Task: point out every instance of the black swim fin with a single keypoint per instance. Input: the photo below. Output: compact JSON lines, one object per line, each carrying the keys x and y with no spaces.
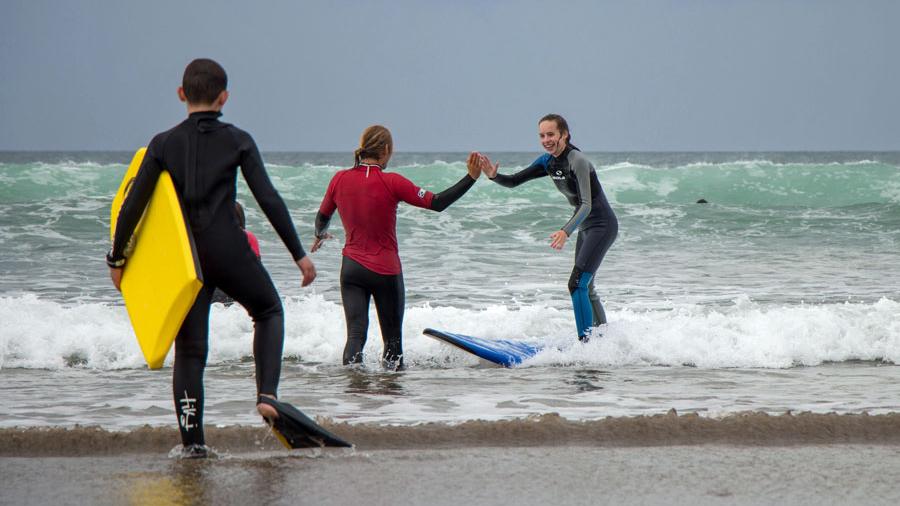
{"x":296,"y":430}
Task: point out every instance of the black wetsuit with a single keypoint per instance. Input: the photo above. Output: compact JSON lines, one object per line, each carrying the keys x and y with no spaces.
{"x":202,"y":155}
{"x":595,"y":220}
{"x":358,"y":286}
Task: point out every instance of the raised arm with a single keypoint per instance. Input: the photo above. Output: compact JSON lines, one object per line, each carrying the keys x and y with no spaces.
{"x":538,"y":168}
{"x":406,"y":191}
{"x":443,"y":199}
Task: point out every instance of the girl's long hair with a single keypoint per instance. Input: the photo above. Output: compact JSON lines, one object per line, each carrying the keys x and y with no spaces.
{"x":372,"y":143}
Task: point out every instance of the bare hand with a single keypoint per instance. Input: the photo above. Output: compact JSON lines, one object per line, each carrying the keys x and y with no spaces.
{"x":115,"y":274}
{"x":307,"y":269}
{"x":473,"y":164}
{"x":490,"y":170}
{"x":320,"y":241}
{"x":558,"y":239}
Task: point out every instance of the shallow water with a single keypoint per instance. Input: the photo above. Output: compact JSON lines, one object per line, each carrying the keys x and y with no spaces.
{"x":780,"y":294}
{"x":125,"y":399}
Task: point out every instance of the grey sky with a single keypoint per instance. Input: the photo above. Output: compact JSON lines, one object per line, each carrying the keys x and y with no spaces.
{"x":460,"y":74}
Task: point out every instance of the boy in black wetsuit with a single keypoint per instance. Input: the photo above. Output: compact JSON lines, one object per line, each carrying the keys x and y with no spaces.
{"x":202,"y":154}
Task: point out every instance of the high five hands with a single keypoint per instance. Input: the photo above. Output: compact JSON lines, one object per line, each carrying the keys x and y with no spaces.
{"x":475,"y":164}
{"x":484,"y":164}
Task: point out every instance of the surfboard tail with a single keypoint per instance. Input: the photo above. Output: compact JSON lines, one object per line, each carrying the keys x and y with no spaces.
{"x":499,"y":351}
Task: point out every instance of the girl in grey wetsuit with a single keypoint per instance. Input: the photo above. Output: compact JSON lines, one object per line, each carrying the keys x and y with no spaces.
{"x":595,"y":220}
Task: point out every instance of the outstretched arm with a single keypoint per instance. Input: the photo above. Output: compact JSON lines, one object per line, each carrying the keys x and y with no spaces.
{"x":535,"y":170}
{"x":443,"y":199}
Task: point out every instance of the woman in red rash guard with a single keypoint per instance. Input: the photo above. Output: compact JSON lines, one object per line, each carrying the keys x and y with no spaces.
{"x":366,"y":197}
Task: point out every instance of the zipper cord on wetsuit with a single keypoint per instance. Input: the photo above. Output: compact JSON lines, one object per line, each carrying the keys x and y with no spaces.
{"x":369,"y":166}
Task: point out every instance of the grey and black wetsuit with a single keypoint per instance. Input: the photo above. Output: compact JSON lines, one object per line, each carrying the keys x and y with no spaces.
{"x":576,"y":178}
{"x":202,"y":155}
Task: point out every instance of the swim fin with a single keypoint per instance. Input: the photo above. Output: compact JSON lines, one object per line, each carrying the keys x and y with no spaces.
{"x":296,"y":430}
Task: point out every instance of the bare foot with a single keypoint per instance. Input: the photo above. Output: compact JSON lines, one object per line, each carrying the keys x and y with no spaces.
{"x":265,"y":410}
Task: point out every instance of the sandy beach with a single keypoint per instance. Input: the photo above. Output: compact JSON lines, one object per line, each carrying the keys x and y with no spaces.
{"x":696,"y":475}
{"x":750,"y":458}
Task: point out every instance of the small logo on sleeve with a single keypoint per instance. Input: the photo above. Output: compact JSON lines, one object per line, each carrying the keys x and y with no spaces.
{"x":421,"y":193}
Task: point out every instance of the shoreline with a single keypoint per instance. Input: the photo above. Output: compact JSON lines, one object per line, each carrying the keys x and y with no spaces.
{"x":549,"y":430}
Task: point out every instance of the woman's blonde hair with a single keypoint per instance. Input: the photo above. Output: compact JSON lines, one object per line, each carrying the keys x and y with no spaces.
{"x":372,"y":143}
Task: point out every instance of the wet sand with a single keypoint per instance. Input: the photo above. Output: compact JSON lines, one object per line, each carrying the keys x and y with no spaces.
{"x":545,"y":430}
{"x":565,"y":475}
{"x":751,"y":458}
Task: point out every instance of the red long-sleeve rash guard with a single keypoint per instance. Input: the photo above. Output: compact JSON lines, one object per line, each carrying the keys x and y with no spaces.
{"x":367,"y":199}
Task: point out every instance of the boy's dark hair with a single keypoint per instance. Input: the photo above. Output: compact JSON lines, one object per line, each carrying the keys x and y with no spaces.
{"x":203,"y":81}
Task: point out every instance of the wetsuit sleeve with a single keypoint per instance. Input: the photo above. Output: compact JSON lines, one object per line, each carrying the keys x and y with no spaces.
{"x":582,"y":170}
{"x":406,"y":191}
{"x":268,"y":198}
{"x":537,"y":169}
{"x":443,"y":200}
{"x":134,"y":205}
{"x":326,"y":209}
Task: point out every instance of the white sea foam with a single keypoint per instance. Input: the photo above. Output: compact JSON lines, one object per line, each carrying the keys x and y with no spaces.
{"x":40,"y":333}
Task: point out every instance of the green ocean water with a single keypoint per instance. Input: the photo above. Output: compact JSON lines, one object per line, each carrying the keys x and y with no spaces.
{"x":779,"y":227}
{"x":780,"y":293}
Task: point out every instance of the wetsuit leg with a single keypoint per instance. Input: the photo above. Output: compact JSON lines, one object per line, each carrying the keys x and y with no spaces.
{"x":597,"y":312}
{"x":191,"y":349}
{"x":599,"y":315}
{"x":578,"y":289}
{"x":390,"y":302}
{"x":355,"y":295}
{"x":358,"y":285}
{"x":235,"y":268}
{"x":590,"y":248}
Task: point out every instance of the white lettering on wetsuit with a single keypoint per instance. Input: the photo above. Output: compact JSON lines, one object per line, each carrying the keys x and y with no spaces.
{"x":188,"y":409}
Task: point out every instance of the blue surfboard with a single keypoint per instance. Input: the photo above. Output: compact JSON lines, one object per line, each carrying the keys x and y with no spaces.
{"x":499,"y":351}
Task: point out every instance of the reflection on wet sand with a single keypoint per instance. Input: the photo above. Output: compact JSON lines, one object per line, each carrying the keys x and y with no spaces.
{"x":587,"y":380}
{"x":374,"y":383}
{"x":753,"y":428}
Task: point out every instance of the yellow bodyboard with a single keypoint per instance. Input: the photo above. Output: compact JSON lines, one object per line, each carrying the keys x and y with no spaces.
{"x":162,"y":275}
